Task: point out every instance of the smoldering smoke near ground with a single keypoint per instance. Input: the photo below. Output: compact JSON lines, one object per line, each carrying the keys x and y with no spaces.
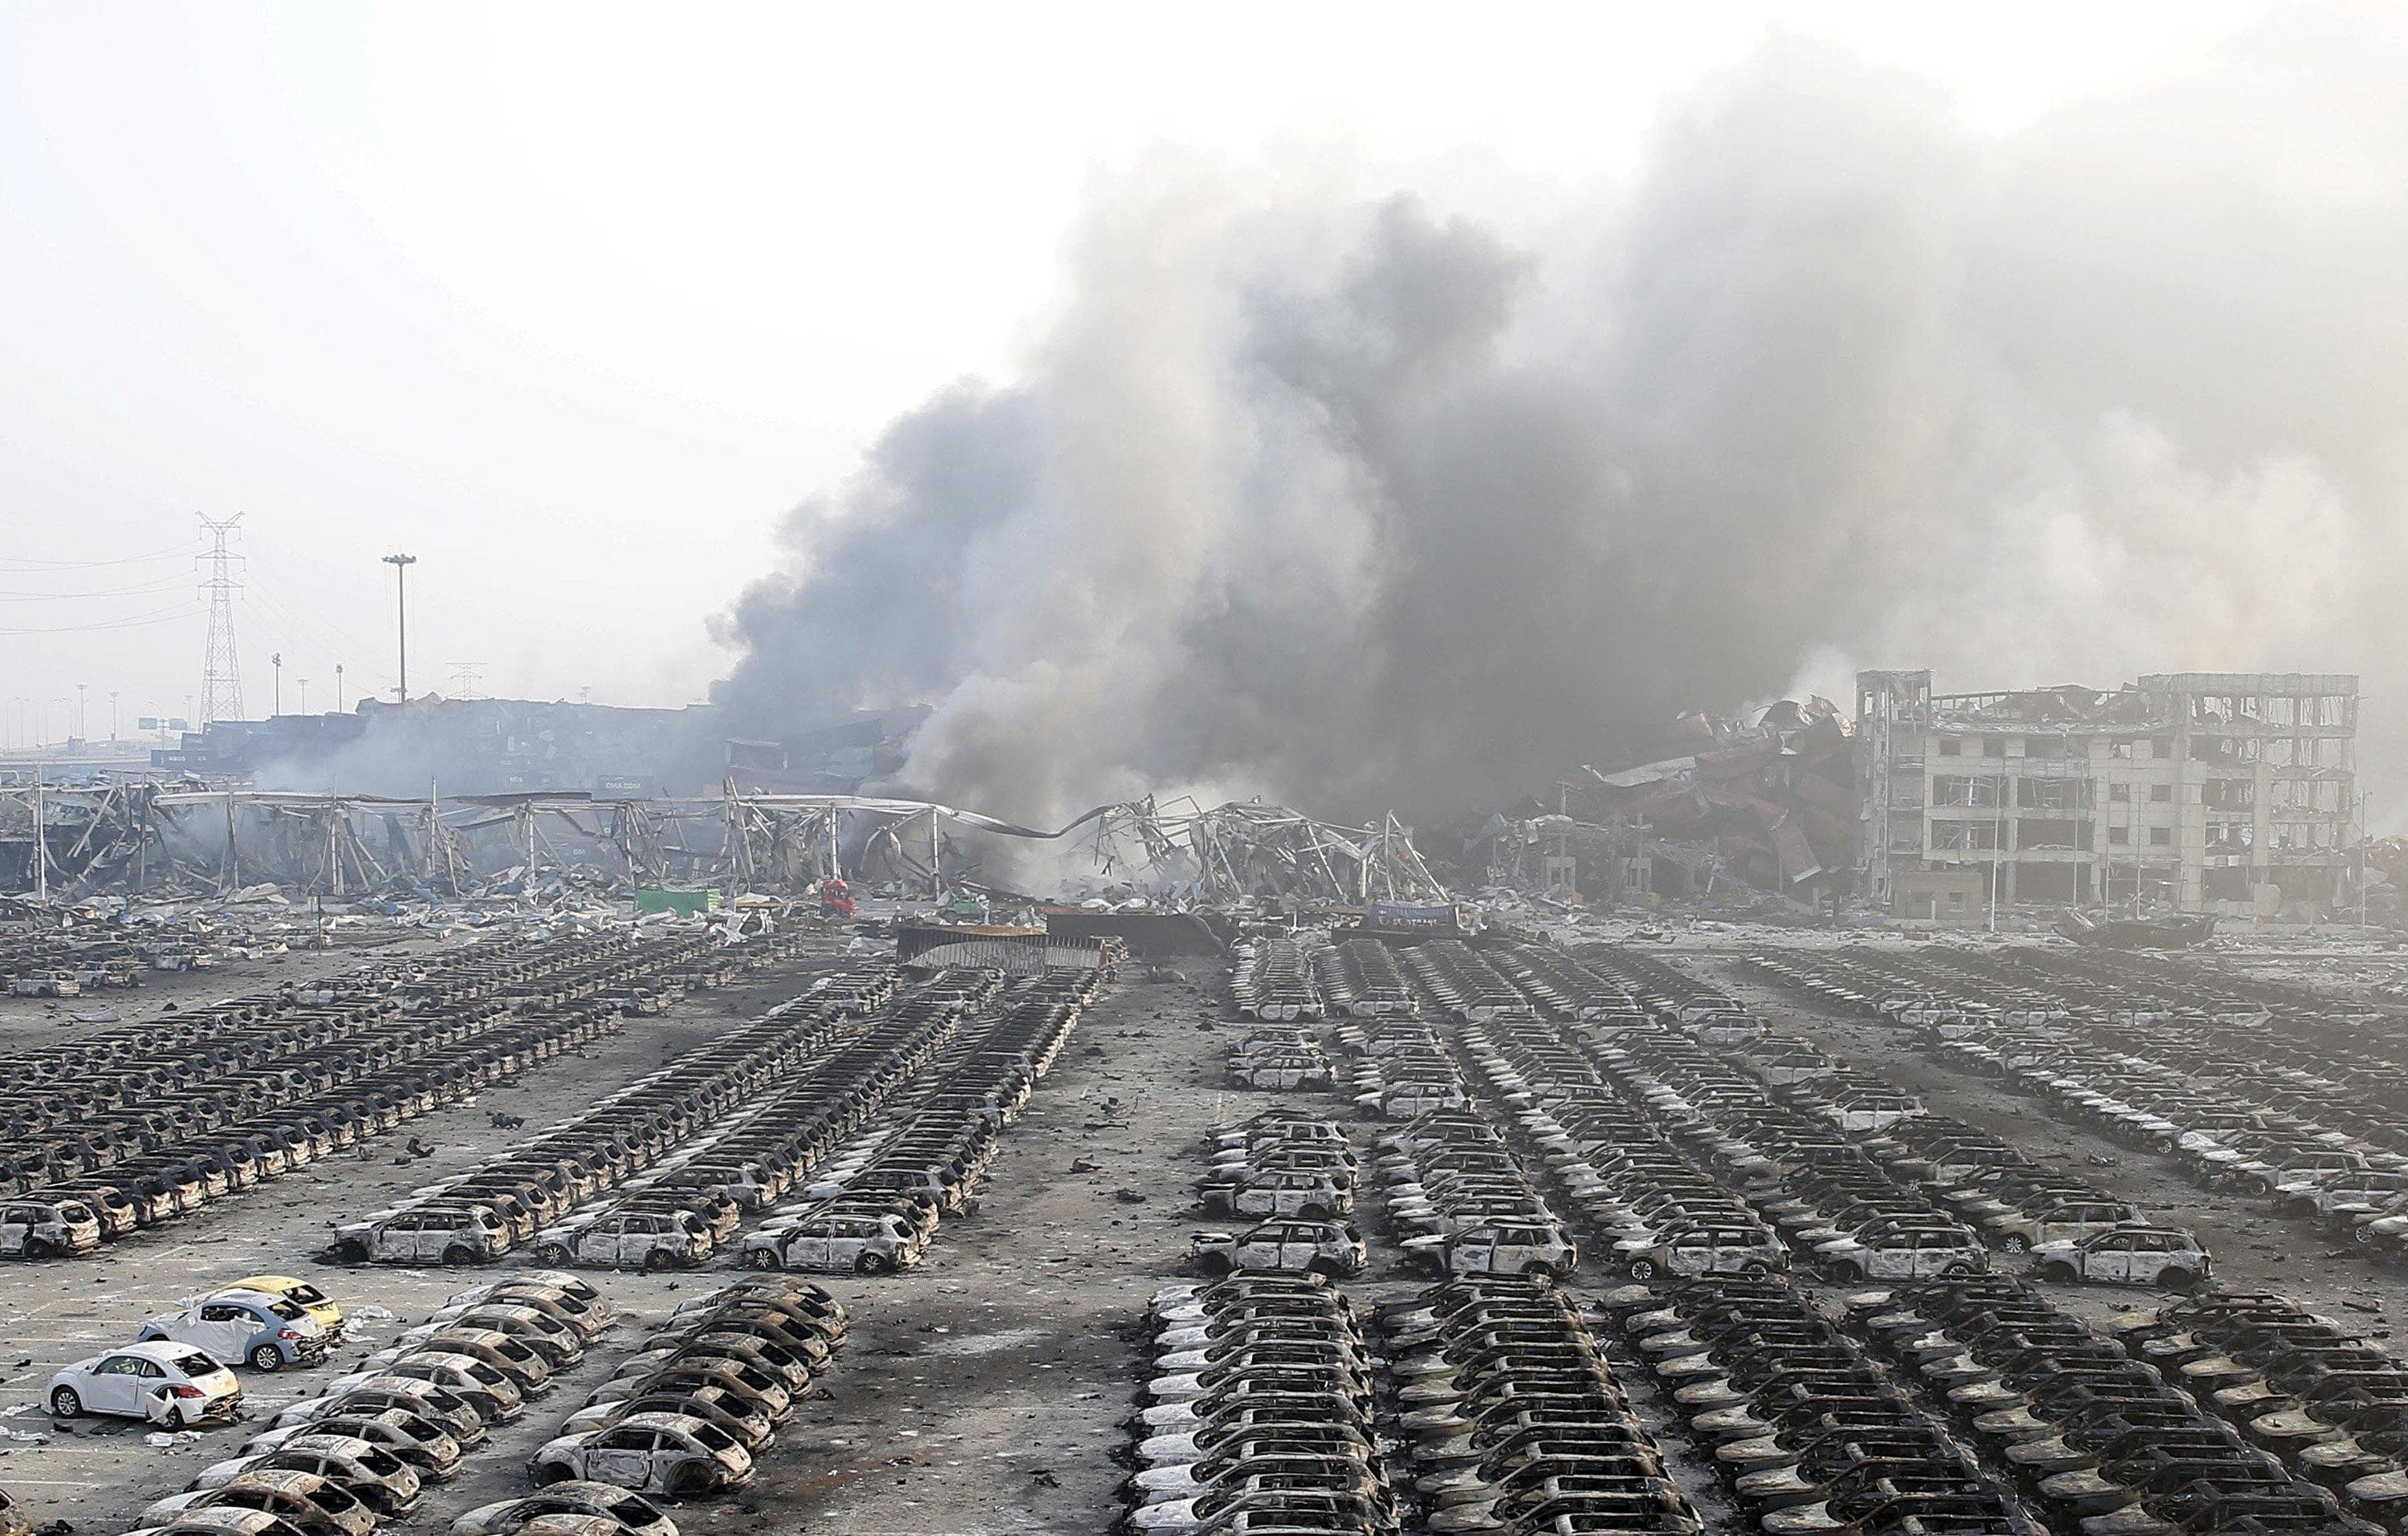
{"x":1338,"y":493}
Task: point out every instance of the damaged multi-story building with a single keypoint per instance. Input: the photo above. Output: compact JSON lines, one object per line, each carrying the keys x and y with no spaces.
{"x":2230,"y":792}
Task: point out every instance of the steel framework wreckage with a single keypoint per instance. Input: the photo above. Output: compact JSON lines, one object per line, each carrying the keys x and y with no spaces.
{"x":136,"y":838}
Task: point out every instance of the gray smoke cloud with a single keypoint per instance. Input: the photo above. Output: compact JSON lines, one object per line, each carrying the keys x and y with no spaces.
{"x":1353,"y":498}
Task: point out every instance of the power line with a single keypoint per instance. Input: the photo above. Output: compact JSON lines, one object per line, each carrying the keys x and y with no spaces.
{"x":164,"y":616}
{"x":30,"y":562}
{"x":297,"y":630}
{"x":291,"y":601}
{"x":161,"y":585}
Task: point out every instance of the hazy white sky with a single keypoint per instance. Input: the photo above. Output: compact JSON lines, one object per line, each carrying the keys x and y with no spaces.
{"x":573,"y":301}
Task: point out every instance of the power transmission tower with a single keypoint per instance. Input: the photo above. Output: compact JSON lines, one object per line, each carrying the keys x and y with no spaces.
{"x":463,"y":675}
{"x":220,"y":676}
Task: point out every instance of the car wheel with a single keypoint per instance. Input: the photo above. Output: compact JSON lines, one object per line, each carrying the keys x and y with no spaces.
{"x":2177,"y":1279}
{"x":655,"y":1258}
{"x":548,"y":1472}
{"x":2014,"y":1243}
{"x":1314,"y":1213}
{"x":766,"y":1259}
{"x":1755,"y":1269}
{"x":38,"y":1249}
{"x":2061,"y":1273}
{"x":1642,"y":1268}
{"x":67,"y":1403}
{"x":352,"y":1252}
{"x":552,"y":1254}
{"x":458,"y":1256}
{"x":266,"y":1357}
{"x":872,"y":1264}
{"x":1957,"y":1269}
{"x":175,"y":1419}
{"x":690,"y":1480}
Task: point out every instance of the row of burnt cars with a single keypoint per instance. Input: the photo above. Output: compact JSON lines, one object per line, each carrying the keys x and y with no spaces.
{"x":1938,"y":1193}
{"x":1456,"y":1192}
{"x":2327,"y":1147}
{"x":1482,"y":1404}
{"x":1975,"y":1404}
{"x":1277,"y":1403}
{"x":2196,"y":1417}
{"x":849,"y":1121}
{"x":873,"y":1206}
{"x":131,"y":1126}
{"x":50,"y":961}
{"x":1257,"y":1414}
{"x":519,"y":1195}
{"x":366,"y":1449}
{"x":1697,"y":1161}
{"x":1808,"y":1431}
{"x":682,"y":1417}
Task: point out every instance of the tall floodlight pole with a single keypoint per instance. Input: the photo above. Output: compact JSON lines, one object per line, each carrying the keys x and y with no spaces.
{"x":276,"y":664}
{"x":81,"y":734}
{"x":401,"y":564}
{"x":338,"y":687}
{"x":112,"y":714}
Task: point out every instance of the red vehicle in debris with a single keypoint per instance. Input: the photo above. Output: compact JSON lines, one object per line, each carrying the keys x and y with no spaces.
{"x":836,"y":897}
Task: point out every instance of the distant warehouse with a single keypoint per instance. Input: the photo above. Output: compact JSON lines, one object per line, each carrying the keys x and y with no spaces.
{"x":2232,"y":792}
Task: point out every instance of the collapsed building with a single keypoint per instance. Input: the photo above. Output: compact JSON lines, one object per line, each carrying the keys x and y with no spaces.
{"x":1717,"y":809}
{"x":2224,"y":793}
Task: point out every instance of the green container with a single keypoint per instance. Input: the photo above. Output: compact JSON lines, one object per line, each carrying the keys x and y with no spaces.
{"x":676,"y":903}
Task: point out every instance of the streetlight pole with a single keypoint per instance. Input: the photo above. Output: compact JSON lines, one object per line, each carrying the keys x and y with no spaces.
{"x":2362,"y":798}
{"x":401,"y":564}
{"x":275,"y":662}
{"x":112,"y":714}
{"x":81,"y":735}
{"x":338,"y":687}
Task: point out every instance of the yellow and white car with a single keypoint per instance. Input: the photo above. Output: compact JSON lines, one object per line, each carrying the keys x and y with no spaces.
{"x":302,"y":1294}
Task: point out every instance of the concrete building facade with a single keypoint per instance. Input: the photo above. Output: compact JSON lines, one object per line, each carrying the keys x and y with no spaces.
{"x":2232,"y":792}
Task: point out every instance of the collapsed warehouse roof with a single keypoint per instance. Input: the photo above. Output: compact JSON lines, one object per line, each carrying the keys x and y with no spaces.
{"x":141,"y":838}
{"x":1246,"y":850}
{"x":87,"y":835}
